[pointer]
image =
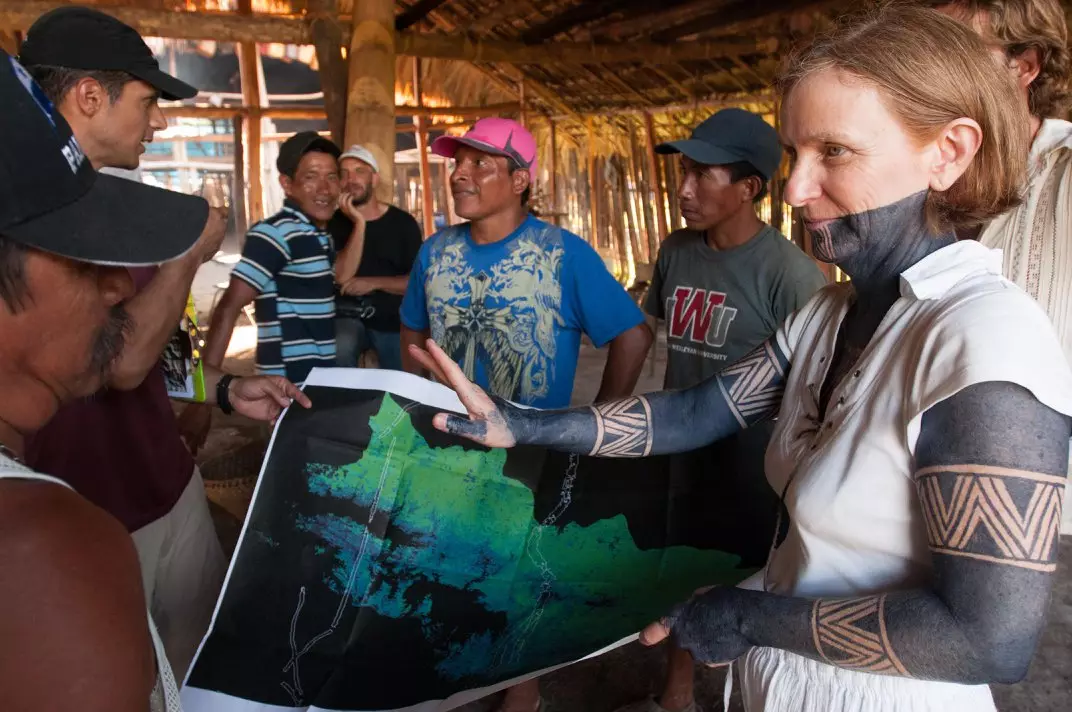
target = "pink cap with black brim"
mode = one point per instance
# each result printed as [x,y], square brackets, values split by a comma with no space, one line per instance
[497,137]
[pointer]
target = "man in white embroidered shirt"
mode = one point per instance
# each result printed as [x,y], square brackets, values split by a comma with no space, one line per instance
[1030,37]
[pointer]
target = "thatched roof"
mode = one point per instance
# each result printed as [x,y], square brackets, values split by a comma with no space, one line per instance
[707,49]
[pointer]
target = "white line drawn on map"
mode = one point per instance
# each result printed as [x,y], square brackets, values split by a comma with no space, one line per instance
[514,643]
[295,689]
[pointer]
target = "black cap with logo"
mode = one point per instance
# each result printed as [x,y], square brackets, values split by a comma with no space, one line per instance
[301,143]
[80,38]
[51,199]
[732,136]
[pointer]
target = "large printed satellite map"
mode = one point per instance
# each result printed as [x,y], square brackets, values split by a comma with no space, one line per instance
[387,564]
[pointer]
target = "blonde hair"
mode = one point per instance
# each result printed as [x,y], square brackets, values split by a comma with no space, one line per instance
[1021,25]
[931,70]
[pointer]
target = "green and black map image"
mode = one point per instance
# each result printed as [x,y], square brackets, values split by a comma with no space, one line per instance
[386,564]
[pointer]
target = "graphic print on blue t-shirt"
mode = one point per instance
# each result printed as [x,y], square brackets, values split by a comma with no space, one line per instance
[511,313]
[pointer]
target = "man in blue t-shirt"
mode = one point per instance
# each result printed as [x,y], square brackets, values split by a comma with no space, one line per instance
[507,295]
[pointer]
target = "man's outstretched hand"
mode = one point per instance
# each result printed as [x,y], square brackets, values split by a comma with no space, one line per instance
[488,422]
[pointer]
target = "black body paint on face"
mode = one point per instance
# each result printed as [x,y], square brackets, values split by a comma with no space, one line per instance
[873,248]
[881,242]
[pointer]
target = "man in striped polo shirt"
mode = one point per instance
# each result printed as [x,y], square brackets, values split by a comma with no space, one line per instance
[287,269]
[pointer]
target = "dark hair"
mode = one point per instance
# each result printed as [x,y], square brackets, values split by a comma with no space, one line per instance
[58,81]
[12,274]
[742,170]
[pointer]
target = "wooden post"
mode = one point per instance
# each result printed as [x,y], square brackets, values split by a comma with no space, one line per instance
[328,40]
[656,181]
[553,173]
[370,100]
[251,74]
[671,193]
[640,255]
[593,184]
[238,188]
[427,204]
[524,106]
[451,215]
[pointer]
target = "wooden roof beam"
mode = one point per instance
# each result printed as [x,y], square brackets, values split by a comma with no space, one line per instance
[231,27]
[575,15]
[318,112]
[742,11]
[646,20]
[417,12]
[463,48]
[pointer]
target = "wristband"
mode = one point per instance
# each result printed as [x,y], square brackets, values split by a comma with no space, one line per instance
[223,395]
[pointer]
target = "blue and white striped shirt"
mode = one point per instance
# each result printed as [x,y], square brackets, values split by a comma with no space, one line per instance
[288,260]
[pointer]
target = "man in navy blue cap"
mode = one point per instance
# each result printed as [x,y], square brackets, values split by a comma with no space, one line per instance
[723,285]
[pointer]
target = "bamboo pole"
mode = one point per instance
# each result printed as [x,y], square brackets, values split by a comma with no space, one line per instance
[644,193]
[640,248]
[671,196]
[593,184]
[452,217]
[251,76]
[238,188]
[328,38]
[617,223]
[427,204]
[653,167]
[553,173]
[524,108]
[629,225]
[370,105]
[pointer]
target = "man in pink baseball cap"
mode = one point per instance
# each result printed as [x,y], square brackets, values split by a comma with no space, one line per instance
[508,296]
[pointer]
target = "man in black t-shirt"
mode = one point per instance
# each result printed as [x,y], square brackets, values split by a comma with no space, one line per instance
[376,245]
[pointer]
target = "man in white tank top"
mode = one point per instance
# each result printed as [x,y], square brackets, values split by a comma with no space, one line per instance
[72,613]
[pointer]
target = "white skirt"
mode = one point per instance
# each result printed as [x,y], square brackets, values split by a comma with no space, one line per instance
[774,680]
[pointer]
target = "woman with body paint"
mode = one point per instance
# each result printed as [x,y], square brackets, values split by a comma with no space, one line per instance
[922,440]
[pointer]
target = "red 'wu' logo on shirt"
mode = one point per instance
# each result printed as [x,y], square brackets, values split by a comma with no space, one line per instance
[699,316]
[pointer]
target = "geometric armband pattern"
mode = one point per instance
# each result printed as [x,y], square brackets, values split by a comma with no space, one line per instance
[994,514]
[851,633]
[623,428]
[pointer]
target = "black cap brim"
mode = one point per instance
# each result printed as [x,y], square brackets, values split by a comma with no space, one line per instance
[118,222]
[700,151]
[171,89]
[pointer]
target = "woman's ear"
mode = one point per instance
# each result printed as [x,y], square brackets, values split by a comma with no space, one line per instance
[955,148]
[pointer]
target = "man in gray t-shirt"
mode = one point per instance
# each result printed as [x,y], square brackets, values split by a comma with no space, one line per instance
[723,286]
[719,304]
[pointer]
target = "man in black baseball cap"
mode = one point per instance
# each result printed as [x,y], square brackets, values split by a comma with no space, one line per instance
[107,77]
[723,285]
[52,200]
[68,236]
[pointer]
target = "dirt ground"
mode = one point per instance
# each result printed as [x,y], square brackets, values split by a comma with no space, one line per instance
[231,461]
